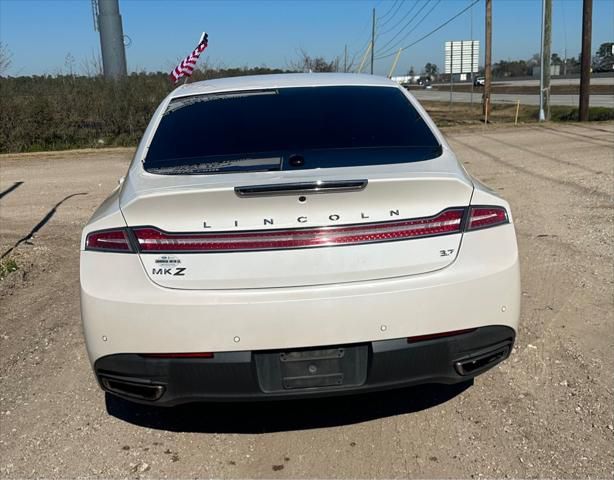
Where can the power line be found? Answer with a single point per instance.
(434, 30)
(393, 15)
(389, 10)
(406, 25)
(368, 41)
(402, 19)
(364, 44)
(394, 47)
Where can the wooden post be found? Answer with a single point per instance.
(585, 69)
(517, 108)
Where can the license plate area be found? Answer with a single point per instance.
(312, 368)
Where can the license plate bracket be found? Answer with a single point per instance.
(312, 368)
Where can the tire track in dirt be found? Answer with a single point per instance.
(591, 128)
(545, 156)
(584, 138)
(572, 185)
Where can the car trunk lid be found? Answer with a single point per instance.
(212, 233)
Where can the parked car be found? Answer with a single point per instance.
(295, 236)
(479, 81)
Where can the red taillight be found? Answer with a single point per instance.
(432, 336)
(179, 355)
(153, 240)
(108, 241)
(482, 217)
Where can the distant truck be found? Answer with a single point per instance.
(422, 80)
(606, 64)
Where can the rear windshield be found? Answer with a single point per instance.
(289, 128)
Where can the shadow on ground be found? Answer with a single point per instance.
(40, 224)
(280, 416)
(15, 186)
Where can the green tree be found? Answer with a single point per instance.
(430, 69)
(511, 68)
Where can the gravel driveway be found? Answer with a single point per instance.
(546, 412)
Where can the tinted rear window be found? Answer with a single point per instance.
(270, 129)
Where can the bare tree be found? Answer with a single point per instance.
(352, 62)
(69, 63)
(306, 63)
(92, 66)
(6, 58)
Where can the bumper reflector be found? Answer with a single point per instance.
(179, 355)
(432, 336)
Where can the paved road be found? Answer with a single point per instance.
(557, 81)
(546, 412)
(570, 100)
(533, 82)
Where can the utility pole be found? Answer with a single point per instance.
(471, 38)
(585, 67)
(109, 23)
(547, 54)
(542, 65)
(487, 60)
(345, 59)
(372, 41)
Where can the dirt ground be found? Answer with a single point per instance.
(547, 412)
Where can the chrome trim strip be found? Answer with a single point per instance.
(301, 188)
(323, 235)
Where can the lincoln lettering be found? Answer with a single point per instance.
(302, 219)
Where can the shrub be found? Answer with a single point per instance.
(7, 266)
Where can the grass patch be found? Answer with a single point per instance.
(513, 89)
(458, 114)
(570, 114)
(45, 113)
(7, 266)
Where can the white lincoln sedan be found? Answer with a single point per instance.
(292, 236)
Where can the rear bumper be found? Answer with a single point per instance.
(124, 312)
(244, 376)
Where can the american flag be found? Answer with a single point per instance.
(186, 67)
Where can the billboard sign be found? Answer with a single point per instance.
(462, 56)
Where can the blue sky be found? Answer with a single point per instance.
(40, 33)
